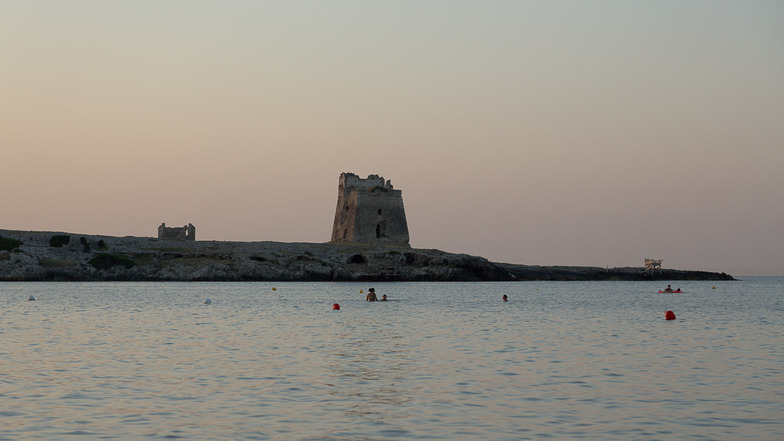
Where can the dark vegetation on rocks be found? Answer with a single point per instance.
(104, 261)
(9, 244)
(59, 240)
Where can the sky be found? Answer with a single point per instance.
(592, 133)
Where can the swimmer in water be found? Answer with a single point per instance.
(504, 298)
(384, 298)
(668, 289)
(371, 297)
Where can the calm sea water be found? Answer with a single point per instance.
(560, 360)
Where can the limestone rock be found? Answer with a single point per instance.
(144, 258)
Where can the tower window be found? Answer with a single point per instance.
(379, 211)
(381, 230)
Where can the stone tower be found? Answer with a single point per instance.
(369, 210)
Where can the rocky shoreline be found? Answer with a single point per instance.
(51, 256)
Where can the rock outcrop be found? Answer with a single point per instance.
(34, 256)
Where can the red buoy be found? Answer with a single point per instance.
(336, 307)
(669, 315)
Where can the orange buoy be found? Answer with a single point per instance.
(361, 292)
(669, 315)
(336, 307)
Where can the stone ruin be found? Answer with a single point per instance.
(369, 210)
(187, 232)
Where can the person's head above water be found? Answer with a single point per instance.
(504, 298)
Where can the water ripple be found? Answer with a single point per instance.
(443, 361)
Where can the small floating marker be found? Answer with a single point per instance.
(208, 302)
(336, 307)
(669, 315)
(713, 287)
(31, 299)
(361, 291)
(274, 289)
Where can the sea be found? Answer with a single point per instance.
(437, 361)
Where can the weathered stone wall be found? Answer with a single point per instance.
(369, 210)
(188, 232)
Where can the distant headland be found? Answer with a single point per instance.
(370, 242)
(44, 256)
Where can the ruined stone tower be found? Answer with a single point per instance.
(187, 232)
(369, 210)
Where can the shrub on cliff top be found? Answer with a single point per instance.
(9, 244)
(105, 261)
(58, 240)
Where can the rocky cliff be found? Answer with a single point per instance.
(34, 256)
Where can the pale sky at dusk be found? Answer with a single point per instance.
(590, 133)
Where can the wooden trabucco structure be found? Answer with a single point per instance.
(651, 265)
